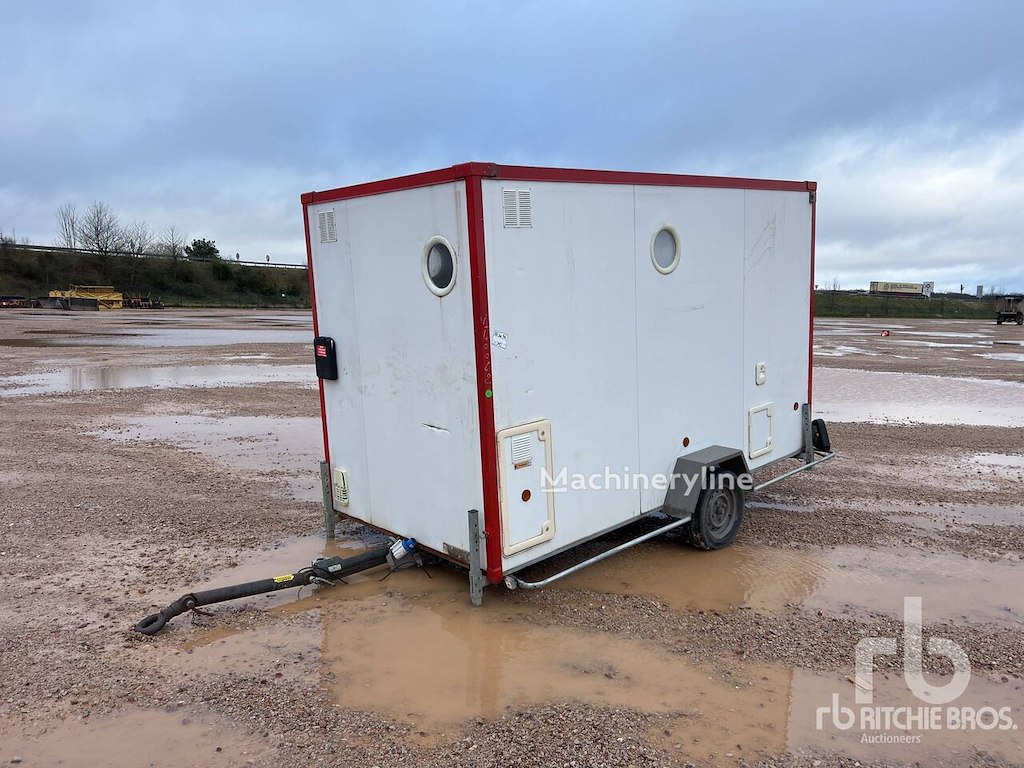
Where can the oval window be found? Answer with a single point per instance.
(439, 266)
(665, 250)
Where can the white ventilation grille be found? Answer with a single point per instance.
(340, 485)
(522, 450)
(518, 208)
(328, 228)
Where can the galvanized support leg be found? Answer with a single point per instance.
(330, 518)
(476, 578)
(808, 435)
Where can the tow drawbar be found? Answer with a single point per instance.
(323, 570)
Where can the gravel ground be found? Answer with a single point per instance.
(94, 532)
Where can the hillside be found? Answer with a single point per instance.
(179, 283)
(219, 283)
(952, 306)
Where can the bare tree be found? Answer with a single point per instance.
(138, 238)
(7, 241)
(100, 229)
(67, 226)
(173, 242)
(173, 245)
(832, 294)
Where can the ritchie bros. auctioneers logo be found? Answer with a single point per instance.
(937, 714)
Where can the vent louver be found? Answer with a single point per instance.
(328, 227)
(522, 450)
(517, 208)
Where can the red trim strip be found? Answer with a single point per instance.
(485, 401)
(316, 332)
(533, 173)
(810, 331)
(412, 181)
(580, 176)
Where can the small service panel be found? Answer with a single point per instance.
(326, 358)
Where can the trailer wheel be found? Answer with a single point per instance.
(718, 515)
(1020, 319)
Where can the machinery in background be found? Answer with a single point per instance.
(911, 290)
(90, 297)
(1011, 311)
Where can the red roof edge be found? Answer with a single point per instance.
(534, 173)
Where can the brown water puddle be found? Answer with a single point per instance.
(1011, 465)
(952, 587)
(154, 738)
(687, 579)
(87, 378)
(837, 581)
(290, 447)
(410, 648)
(417, 651)
(850, 395)
(940, 517)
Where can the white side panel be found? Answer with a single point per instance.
(402, 417)
(777, 284)
(561, 291)
(689, 327)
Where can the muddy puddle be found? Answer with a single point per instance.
(84, 378)
(170, 328)
(952, 587)
(686, 579)
(940, 517)
(411, 648)
(164, 337)
(851, 395)
(1014, 357)
(437, 662)
(155, 738)
(286, 447)
(838, 581)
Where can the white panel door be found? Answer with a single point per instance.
(776, 283)
(560, 282)
(402, 417)
(689, 327)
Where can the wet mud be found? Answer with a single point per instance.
(662, 655)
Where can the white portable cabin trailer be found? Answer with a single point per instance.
(547, 346)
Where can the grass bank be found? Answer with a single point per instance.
(951, 306)
(179, 283)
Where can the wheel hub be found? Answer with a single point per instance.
(722, 511)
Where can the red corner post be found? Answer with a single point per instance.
(485, 394)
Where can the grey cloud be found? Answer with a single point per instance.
(216, 116)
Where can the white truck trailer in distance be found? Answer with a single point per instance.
(552, 349)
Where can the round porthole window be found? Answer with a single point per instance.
(665, 250)
(439, 266)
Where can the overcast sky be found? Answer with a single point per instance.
(216, 116)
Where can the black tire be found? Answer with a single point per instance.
(719, 513)
(819, 436)
(1020, 319)
(999, 321)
